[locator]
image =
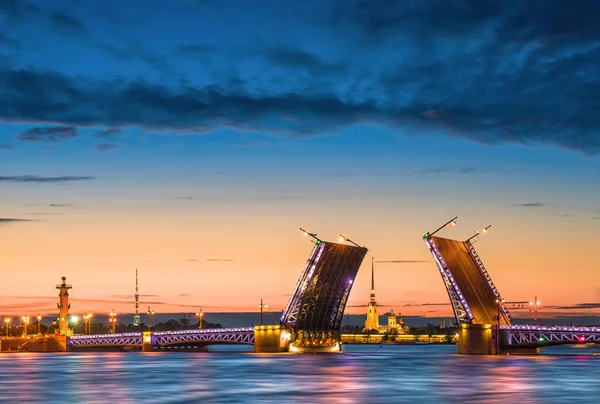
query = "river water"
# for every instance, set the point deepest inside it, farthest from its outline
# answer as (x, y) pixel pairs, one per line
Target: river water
(363, 373)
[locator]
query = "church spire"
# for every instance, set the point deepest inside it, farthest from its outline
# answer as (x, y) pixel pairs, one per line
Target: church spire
(372, 279)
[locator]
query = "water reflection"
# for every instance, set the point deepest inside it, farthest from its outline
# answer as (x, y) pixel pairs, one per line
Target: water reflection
(361, 374)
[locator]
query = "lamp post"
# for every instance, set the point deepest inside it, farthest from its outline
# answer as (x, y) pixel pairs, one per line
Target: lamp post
(499, 302)
(534, 306)
(7, 320)
(74, 320)
(39, 319)
(261, 310)
(87, 322)
(344, 238)
(312, 235)
(113, 320)
(449, 223)
(478, 232)
(200, 314)
(25, 322)
(150, 314)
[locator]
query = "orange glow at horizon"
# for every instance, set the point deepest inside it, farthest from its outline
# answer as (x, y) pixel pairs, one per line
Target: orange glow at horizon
(229, 268)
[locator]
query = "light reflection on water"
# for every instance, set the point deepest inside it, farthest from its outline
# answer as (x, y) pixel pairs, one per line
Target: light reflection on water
(427, 374)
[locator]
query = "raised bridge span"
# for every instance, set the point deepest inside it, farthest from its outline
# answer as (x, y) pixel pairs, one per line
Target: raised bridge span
(485, 324)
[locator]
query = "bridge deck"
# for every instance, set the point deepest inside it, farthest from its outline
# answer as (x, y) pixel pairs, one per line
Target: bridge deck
(471, 281)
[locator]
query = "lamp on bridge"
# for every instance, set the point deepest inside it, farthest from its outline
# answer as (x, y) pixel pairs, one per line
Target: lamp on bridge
(449, 223)
(150, 314)
(7, 320)
(344, 238)
(25, 322)
(200, 315)
(113, 320)
(534, 306)
(39, 324)
(477, 233)
(312, 235)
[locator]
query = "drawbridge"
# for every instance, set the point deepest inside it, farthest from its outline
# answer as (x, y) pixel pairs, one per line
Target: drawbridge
(485, 324)
(315, 310)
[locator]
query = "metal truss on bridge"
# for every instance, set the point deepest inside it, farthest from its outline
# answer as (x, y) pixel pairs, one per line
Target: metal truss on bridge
(528, 335)
(103, 340)
(316, 308)
(164, 338)
(462, 311)
(207, 336)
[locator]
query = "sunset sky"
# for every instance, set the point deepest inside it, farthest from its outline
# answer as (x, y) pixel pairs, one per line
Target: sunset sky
(191, 139)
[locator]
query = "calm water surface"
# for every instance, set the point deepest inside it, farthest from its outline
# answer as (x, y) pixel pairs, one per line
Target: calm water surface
(367, 374)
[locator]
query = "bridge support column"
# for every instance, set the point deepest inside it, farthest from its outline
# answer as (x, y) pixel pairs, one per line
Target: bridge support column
(147, 341)
(271, 338)
(476, 339)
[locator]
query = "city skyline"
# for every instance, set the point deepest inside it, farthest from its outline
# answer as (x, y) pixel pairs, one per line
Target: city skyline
(194, 150)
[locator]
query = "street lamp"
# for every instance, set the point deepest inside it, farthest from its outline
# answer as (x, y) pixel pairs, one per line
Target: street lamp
(25, 322)
(477, 233)
(499, 302)
(113, 320)
(87, 322)
(312, 235)
(74, 320)
(39, 319)
(200, 314)
(261, 310)
(534, 306)
(449, 223)
(7, 320)
(150, 314)
(344, 238)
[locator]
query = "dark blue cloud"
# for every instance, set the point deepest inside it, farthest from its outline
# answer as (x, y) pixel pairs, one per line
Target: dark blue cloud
(67, 24)
(38, 179)
(492, 72)
(108, 133)
(50, 134)
(106, 146)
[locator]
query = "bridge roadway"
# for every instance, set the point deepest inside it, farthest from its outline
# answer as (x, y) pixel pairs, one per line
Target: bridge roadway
(475, 288)
(162, 339)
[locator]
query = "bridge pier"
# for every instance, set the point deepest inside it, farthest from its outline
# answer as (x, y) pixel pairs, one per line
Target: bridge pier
(272, 338)
(476, 339)
(147, 343)
(480, 339)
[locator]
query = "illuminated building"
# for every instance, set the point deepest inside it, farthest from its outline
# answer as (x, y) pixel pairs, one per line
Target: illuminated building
(372, 322)
(395, 322)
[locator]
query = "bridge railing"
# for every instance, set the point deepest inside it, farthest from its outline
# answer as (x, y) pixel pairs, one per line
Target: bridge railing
(488, 278)
(218, 335)
(546, 334)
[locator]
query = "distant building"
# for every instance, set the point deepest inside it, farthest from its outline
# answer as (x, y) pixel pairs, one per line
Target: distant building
(372, 321)
(395, 322)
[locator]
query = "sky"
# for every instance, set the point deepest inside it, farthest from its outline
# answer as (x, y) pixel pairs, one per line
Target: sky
(191, 139)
